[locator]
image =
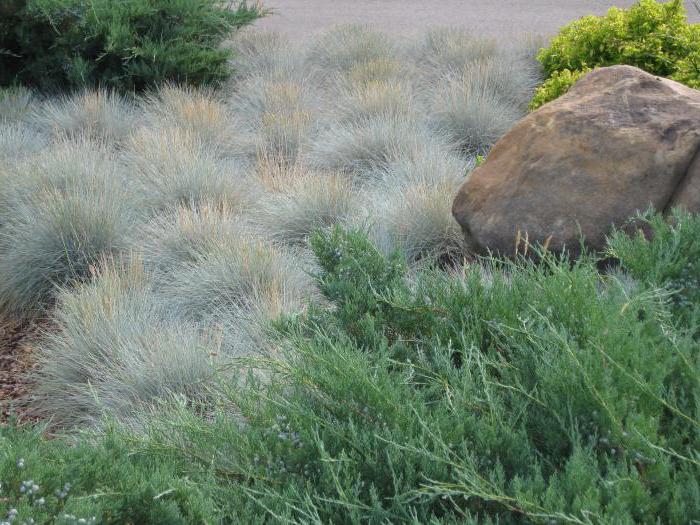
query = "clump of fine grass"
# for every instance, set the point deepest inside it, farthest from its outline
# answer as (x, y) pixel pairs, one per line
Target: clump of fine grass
(173, 166)
(97, 115)
(19, 141)
(412, 206)
(200, 112)
(265, 54)
(241, 276)
(56, 238)
(180, 237)
(279, 113)
(376, 70)
(113, 352)
(59, 168)
(366, 100)
(308, 201)
(446, 50)
(15, 104)
(475, 108)
(345, 47)
(361, 148)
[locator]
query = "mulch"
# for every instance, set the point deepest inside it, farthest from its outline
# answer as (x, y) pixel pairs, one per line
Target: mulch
(16, 363)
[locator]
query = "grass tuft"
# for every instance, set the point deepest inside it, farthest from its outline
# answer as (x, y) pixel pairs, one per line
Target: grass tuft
(114, 352)
(345, 47)
(96, 115)
(307, 202)
(57, 238)
(362, 148)
(412, 206)
(240, 276)
(174, 166)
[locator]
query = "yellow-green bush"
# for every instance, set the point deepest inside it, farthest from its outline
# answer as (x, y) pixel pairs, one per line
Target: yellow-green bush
(651, 35)
(555, 86)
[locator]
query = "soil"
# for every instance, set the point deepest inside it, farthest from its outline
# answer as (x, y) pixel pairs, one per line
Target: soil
(15, 364)
(502, 19)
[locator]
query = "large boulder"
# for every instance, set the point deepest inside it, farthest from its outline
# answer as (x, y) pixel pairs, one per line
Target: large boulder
(621, 140)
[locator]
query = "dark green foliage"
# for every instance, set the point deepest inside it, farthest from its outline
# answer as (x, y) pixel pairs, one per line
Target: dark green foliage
(671, 260)
(651, 35)
(128, 45)
(106, 480)
(503, 392)
(354, 276)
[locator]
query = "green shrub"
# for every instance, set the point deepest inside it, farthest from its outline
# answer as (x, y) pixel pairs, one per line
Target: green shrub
(670, 260)
(95, 481)
(555, 86)
(508, 393)
(651, 35)
(127, 45)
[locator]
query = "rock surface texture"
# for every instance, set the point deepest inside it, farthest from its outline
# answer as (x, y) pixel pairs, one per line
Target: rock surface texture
(621, 140)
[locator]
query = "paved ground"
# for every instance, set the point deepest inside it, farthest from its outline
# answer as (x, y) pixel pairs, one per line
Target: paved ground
(506, 19)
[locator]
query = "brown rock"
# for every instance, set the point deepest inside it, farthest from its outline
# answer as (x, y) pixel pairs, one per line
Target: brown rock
(621, 140)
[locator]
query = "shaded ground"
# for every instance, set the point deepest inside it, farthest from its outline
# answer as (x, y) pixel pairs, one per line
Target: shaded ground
(503, 19)
(15, 362)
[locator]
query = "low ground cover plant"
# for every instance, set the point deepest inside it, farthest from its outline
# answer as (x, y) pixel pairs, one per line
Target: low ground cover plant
(651, 35)
(128, 46)
(251, 304)
(501, 392)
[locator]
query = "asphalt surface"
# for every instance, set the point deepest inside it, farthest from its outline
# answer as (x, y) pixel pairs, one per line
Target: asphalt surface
(501, 19)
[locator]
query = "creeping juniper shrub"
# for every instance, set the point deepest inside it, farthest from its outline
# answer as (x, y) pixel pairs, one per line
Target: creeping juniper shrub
(354, 275)
(506, 391)
(664, 254)
(128, 45)
(97, 480)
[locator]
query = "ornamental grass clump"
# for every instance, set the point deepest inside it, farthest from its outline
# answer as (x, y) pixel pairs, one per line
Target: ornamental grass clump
(345, 47)
(174, 166)
(476, 106)
(56, 239)
(446, 50)
(18, 142)
(180, 237)
(65, 210)
(98, 115)
(15, 104)
(114, 352)
(265, 54)
(202, 113)
(280, 114)
(242, 275)
(307, 202)
(361, 148)
(363, 101)
(411, 207)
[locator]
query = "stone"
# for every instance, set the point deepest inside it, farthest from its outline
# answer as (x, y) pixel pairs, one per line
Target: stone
(620, 141)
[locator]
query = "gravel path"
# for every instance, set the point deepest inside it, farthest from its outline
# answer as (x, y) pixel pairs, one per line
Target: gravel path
(503, 19)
